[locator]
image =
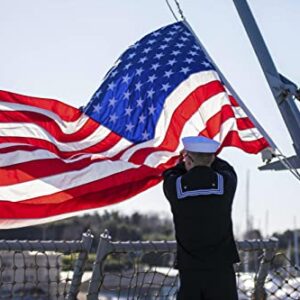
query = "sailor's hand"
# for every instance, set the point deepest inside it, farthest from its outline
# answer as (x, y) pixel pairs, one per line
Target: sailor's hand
(182, 155)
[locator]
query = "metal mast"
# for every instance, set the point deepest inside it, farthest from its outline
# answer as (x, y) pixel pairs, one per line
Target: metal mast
(284, 91)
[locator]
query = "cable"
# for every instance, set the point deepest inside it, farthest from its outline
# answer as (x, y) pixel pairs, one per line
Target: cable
(284, 160)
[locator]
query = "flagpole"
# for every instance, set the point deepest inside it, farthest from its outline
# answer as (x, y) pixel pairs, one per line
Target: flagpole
(232, 91)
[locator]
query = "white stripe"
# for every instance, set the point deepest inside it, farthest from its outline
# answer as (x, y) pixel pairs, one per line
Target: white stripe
(238, 112)
(34, 131)
(65, 127)
(7, 145)
(171, 104)
(246, 135)
(21, 156)
(212, 106)
(57, 183)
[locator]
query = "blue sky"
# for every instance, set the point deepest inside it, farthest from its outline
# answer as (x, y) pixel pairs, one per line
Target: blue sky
(62, 49)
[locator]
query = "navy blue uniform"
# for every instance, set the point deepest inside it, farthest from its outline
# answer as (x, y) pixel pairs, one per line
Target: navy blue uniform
(201, 201)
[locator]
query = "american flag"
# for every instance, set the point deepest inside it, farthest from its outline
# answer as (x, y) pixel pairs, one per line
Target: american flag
(56, 160)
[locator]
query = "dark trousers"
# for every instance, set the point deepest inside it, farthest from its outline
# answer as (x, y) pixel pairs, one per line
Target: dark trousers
(214, 284)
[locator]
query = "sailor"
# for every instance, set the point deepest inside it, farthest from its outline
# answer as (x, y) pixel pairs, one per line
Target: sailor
(200, 190)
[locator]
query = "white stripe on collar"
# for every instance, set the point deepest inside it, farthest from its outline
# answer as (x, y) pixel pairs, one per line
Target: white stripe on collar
(219, 190)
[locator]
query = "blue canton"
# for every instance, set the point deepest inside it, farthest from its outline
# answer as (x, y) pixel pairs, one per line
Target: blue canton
(132, 95)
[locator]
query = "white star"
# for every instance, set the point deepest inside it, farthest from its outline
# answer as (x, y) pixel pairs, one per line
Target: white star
(152, 78)
(171, 62)
(184, 39)
(126, 78)
(206, 64)
(113, 118)
(142, 119)
(139, 71)
(111, 86)
(172, 32)
(189, 60)
(158, 55)
(150, 93)
(165, 87)
(167, 39)
(168, 73)
(127, 66)
(127, 95)
(146, 50)
(193, 53)
(132, 55)
(176, 27)
(129, 127)
(128, 111)
(112, 101)
(157, 33)
(138, 86)
(150, 42)
(97, 108)
(145, 135)
(179, 45)
(175, 52)
(135, 45)
(98, 93)
(163, 47)
(140, 102)
(155, 66)
(152, 109)
(187, 33)
(196, 47)
(143, 59)
(114, 73)
(185, 70)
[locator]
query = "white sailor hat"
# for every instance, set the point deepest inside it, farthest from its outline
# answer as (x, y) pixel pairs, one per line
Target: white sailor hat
(200, 144)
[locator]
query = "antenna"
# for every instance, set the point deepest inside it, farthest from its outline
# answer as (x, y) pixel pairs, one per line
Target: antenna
(296, 249)
(267, 224)
(248, 221)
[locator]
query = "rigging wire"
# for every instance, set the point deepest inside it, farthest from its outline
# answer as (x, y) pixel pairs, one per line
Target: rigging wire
(179, 10)
(283, 159)
(171, 9)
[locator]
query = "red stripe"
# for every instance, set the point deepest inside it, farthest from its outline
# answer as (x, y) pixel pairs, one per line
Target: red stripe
(49, 125)
(66, 112)
(233, 101)
(104, 145)
(213, 125)
(244, 123)
(103, 192)
(31, 170)
(233, 139)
